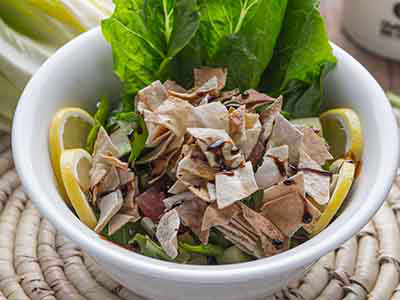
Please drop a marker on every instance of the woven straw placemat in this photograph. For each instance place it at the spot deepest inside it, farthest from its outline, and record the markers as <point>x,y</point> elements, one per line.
<point>38,263</point>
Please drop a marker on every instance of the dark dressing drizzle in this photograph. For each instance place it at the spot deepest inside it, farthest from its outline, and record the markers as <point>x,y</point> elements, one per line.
<point>279,163</point>
<point>307,216</point>
<point>278,244</point>
<point>216,145</point>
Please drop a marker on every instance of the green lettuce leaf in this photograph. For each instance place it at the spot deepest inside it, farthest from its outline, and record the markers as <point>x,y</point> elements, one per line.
<point>139,140</point>
<point>208,250</point>
<point>239,35</point>
<point>100,118</point>
<point>301,60</point>
<point>123,235</point>
<point>146,36</point>
<point>304,100</point>
<point>149,248</point>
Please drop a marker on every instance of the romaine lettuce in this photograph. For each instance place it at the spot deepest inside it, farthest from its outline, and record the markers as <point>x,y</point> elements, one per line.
<point>301,60</point>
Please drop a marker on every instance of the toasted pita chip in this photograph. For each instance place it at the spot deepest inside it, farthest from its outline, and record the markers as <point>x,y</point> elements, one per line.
<point>115,162</point>
<point>163,153</point>
<point>314,213</point>
<point>201,191</point>
<point>206,99</point>
<point>287,207</point>
<point>233,103</point>
<point>287,212</point>
<point>218,147</point>
<point>267,118</point>
<point>227,95</point>
<point>248,230</point>
<point>129,203</point>
<point>119,221</point>
<point>194,172</point>
<point>215,217</point>
<point>173,114</point>
<point>177,188</point>
<point>109,206</point>
<point>315,146</point>
<point>97,174</point>
<point>237,125</point>
<point>195,184</point>
<point>232,186</point>
<point>253,132</point>
<point>121,141</point>
<point>212,191</point>
<point>213,115</point>
<point>203,75</point>
<point>317,181</point>
<point>209,88</point>
<point>173,86</point>
<point>285,133</point>
<point>157,134</point>
<point>189,96</point>
<point>290,185</point>
<point>167,231</point>
<point>190,166</point>
<point>102,146</point>
<point>126,176</point>
<point>172,118</point>
<point>273,168</point>
<point>253,99</point>
<point>243,241</point>
<point>175,200</point>
<point>245,129</point>
<point>110,182</point>
<point>257,154</point>
<point>191,213</point>
<point>262,226</point>
<point>158,151</point>
<point>151,97</point>
<point>160,166</point>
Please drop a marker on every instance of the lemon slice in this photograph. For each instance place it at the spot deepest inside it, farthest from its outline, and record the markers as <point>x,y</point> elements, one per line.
<point>75,167</point>
<point>68,130</point>
<point>343,132</point>
<point>343,185</point>
<point>314,123</point>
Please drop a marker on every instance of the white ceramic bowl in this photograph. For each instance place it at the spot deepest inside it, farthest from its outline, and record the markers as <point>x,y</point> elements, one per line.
<point>81,72</point>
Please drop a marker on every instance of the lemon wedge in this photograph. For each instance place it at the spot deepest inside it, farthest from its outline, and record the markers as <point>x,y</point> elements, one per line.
<point>75,166</point>
<point>343,185</point>
<point>68,130</point>
<point>343,132</point>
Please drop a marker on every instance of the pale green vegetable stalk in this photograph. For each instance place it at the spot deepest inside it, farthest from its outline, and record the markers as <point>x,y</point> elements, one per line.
<point>32,30</point>
<point>394,99</point>
<point>20,57</point>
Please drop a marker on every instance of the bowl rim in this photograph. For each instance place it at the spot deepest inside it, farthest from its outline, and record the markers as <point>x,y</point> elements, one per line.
<point>123,259</point>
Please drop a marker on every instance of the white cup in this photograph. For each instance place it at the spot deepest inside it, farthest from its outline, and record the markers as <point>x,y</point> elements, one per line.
<point>374,25</point>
